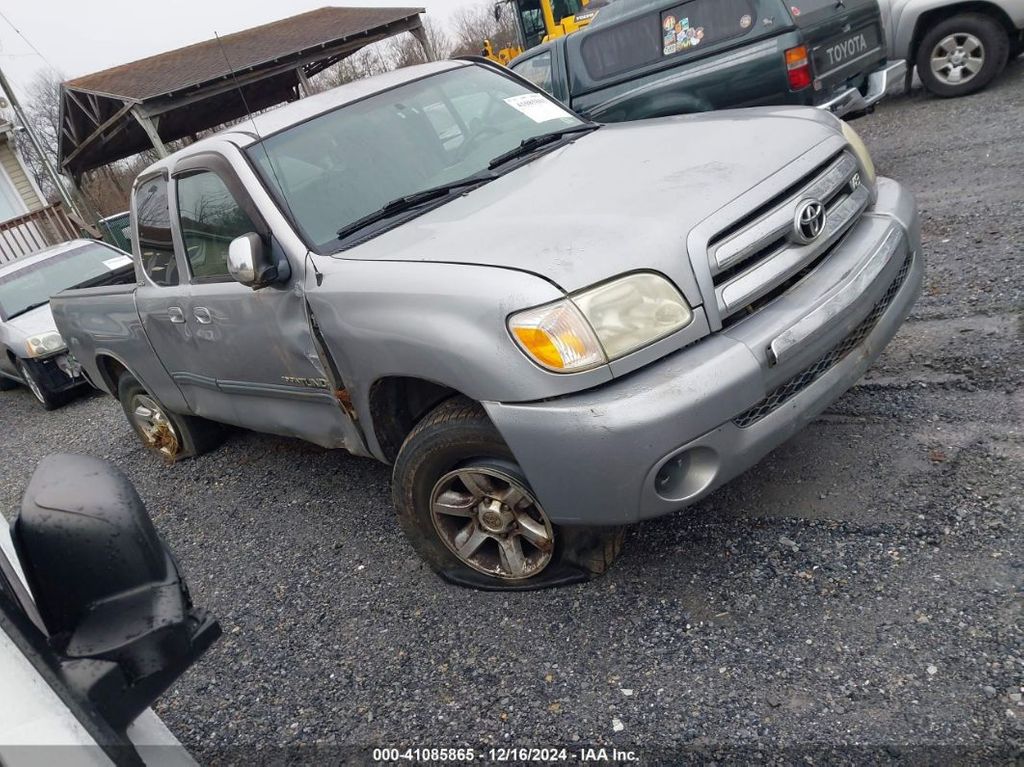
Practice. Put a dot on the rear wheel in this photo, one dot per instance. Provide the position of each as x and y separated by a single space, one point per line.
962 55
50 400
172 436
468 510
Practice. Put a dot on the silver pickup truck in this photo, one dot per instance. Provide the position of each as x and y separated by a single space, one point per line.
549 327
957 46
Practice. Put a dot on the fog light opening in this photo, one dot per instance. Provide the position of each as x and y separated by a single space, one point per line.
686 474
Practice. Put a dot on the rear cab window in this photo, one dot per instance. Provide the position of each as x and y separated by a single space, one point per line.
666 33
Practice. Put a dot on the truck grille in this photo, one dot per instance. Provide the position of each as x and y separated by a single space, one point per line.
781 395
759 256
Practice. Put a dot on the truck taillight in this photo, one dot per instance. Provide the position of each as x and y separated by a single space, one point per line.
798 68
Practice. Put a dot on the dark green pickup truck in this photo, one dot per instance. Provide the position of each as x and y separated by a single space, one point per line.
641 59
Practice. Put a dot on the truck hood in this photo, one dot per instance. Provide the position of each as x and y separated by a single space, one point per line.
620 199
24 326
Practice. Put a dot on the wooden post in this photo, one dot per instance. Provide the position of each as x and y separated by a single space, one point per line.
420 33
305 89
149 125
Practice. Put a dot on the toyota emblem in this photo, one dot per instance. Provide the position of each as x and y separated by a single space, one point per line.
809 221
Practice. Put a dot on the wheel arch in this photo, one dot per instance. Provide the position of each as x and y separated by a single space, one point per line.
397 404
111 369
936 15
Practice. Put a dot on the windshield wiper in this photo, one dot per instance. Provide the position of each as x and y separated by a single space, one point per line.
526 146
26 309
412 201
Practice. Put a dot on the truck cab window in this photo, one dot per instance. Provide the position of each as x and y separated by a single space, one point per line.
155 247
537 70
210 218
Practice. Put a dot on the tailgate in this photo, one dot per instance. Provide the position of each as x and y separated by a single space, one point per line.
844 37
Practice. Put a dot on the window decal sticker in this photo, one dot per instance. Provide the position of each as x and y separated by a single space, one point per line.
679 36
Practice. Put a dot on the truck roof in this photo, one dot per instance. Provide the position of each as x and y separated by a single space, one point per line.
249 131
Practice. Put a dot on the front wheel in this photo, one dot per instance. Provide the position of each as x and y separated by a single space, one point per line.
174 437
468 510
962 55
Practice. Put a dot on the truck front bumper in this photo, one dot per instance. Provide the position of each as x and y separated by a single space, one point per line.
659 439
851 102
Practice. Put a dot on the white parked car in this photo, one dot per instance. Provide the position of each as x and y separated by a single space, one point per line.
32 352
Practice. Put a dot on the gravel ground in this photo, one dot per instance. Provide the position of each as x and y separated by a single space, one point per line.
861 586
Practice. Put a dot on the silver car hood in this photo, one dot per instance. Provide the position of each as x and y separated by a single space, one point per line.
620 199
24 326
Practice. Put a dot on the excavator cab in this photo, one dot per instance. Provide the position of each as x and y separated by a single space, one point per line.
538 21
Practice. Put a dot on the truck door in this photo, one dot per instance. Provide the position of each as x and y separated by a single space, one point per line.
160 297
252 359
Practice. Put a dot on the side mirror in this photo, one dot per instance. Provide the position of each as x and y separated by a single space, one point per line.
115 609
251 263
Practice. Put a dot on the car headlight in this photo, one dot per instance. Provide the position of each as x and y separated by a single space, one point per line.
601 324
859 149
45 343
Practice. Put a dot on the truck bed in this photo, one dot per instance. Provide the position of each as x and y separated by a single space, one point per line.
101 321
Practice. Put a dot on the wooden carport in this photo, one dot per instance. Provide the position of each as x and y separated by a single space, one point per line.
119 112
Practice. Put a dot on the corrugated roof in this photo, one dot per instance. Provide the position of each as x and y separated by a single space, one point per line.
204 62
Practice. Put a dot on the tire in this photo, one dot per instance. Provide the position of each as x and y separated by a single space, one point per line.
970 32
50 400
6 384
457 441
174 437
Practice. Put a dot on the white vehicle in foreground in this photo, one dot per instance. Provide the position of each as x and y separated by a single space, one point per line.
95 623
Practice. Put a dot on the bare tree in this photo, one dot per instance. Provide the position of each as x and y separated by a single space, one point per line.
42 110
472 24
405 50
394 53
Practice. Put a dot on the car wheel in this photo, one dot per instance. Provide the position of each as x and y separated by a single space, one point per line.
50 400
173 436
468 510
6 384
962 55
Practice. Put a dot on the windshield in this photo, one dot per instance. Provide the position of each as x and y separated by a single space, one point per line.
339 167
34 285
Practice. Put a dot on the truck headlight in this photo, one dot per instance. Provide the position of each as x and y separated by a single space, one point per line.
859 149
44 344
601 324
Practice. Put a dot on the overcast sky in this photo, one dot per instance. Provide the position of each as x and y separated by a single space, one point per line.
79 37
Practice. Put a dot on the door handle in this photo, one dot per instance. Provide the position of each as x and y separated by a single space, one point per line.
202 315
176 315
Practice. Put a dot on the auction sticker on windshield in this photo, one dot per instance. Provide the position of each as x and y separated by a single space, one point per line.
537 108
117 263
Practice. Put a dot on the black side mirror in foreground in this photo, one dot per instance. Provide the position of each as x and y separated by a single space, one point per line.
117 613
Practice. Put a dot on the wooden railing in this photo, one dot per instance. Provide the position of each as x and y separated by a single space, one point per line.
35 231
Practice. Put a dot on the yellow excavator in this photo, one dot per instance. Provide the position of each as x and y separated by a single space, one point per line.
538 21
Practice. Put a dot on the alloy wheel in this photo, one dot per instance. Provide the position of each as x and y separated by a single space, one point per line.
154 426
492 523
957 58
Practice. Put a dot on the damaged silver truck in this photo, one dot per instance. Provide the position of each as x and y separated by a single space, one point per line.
549 327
